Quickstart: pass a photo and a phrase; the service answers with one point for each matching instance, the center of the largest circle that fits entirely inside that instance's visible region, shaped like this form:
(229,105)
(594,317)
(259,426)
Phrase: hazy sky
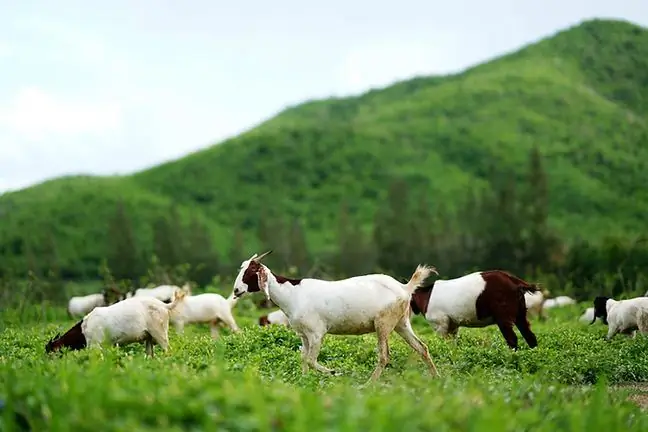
(116,86)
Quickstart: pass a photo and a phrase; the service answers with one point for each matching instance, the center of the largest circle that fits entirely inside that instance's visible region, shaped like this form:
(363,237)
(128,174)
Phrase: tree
(123,258)
(539,240)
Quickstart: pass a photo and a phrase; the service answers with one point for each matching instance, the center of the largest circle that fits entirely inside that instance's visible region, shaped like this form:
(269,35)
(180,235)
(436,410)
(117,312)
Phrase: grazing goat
(478,299)
(135,319)
(209,308)
(164,293)
(81,305)
(587,316)
(354,306)
(274,317)
(535,303)
(622,316)
(558,302)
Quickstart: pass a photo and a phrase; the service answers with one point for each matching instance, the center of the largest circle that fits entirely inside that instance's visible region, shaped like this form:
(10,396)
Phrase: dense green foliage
(531,162)
(252,380)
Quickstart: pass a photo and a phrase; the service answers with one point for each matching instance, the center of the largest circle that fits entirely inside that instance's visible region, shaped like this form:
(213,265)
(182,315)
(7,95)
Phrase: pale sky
(116,86)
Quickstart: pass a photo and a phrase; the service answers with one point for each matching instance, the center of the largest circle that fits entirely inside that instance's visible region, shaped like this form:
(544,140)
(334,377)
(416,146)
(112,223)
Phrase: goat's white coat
(81,305)
(452,303)
(278,317)
(161,292)
(210,308)
(351,306)
(587,316)
(558,302)
(625,315)
(535,303)
(135,319)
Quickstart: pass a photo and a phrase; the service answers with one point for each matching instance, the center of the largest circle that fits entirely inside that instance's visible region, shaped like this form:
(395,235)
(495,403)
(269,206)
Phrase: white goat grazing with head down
(81,305)
(209,308)
(135,319)
(354,306)
(163,293)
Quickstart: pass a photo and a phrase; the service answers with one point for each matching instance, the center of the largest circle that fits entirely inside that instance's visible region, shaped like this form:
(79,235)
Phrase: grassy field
(252,381)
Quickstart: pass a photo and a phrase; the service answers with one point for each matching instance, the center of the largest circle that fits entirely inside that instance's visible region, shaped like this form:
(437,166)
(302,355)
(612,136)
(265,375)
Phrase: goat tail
(523,286)
(421,273)
(178,297)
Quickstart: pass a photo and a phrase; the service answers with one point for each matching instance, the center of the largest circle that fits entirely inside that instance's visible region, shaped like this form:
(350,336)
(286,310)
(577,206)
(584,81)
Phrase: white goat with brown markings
(354,306)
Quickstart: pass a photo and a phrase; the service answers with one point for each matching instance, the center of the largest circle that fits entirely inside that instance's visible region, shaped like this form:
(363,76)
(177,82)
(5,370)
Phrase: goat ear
(262,279)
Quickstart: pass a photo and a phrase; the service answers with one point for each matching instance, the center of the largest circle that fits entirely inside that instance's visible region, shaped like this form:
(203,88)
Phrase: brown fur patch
(263,320)
(251,277)
(503,301)
(73,339)
(421,298)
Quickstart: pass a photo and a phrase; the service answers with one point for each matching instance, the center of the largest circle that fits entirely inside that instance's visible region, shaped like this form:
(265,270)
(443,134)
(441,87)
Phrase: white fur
(535,303)
(162,292)
(135,319)
(588,315)
(357,305)
(626,315)
(206,308)
(81,305)
(558,302)
(452,304)
(278,317)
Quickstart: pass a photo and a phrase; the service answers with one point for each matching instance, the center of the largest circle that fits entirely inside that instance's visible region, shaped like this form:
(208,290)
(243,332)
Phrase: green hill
(580,96)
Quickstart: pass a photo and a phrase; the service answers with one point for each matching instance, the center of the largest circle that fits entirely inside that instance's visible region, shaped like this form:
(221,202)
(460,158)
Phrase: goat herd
(353,306)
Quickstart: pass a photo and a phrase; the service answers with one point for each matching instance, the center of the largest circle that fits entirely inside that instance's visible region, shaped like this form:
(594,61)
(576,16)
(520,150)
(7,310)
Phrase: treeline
(504,227)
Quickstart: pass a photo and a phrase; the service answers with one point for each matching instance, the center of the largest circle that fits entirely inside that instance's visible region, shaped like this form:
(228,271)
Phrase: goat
(588,315)
(274,317)
(535,303)
(135,319)
(558,302)
(353,306)
(209,308)
(81,305)
(477,299)
(163,293)
(622,316)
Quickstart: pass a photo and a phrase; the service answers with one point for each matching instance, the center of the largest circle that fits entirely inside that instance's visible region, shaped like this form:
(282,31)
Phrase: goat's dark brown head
(600,309)
(252,276)
(73,339)
(264,321)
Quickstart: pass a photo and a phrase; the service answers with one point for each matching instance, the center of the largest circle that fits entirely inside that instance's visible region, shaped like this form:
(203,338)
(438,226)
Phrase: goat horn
(263,255)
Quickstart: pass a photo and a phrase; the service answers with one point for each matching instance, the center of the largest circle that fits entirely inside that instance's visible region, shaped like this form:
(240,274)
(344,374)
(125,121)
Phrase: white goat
(354,306)
(558,302)
(274,317)
(163,293)
(622,316)
(535,303)
(209,308)
(588,315)
(81,305)
(135,319)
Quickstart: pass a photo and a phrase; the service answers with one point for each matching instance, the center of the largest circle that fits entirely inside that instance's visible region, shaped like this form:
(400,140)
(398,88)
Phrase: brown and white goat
(478,299)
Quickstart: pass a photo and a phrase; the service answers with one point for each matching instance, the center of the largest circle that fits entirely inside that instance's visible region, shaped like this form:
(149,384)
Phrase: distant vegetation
(535,162)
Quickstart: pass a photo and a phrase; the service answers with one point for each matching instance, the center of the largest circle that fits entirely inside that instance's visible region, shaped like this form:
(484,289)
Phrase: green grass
(252,380)
(579,95)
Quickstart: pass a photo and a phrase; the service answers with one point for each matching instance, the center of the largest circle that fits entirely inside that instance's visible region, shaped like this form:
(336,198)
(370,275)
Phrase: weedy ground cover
(252,381)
